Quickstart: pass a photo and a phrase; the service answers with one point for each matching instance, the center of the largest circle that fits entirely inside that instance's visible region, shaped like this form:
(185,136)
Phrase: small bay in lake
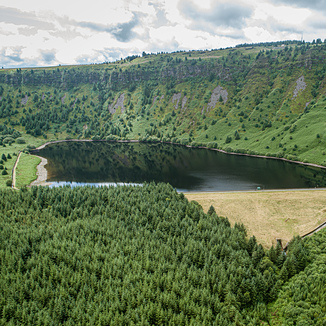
(187,169)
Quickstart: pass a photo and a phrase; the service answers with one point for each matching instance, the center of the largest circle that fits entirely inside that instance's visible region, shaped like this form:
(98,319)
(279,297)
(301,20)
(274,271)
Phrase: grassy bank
(269,215)
(26,169)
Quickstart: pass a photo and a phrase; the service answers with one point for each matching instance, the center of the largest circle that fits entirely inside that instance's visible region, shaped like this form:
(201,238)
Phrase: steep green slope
(263,99)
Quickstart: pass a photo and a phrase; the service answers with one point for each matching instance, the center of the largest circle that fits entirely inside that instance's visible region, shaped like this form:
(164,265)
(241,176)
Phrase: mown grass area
(269,214)
(26,169)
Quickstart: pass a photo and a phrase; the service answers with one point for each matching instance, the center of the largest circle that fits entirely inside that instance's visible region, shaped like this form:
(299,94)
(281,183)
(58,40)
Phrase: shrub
(8,140)
(20,140)
(4,172)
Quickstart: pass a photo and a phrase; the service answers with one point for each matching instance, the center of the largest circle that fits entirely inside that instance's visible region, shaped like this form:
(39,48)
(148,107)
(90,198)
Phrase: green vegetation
(136,256)
(145,255)
(26,169)
(264,99)
(22,144)
(302,300)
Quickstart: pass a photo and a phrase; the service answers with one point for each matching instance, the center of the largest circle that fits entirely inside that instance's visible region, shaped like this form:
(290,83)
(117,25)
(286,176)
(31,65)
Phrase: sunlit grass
(269,214)
(26,169)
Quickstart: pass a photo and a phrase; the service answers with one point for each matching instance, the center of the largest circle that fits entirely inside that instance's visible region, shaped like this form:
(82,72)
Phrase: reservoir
(187,169)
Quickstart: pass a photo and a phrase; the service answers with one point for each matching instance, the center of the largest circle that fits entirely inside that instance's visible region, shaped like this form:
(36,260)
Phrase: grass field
(269,214)
(26,169)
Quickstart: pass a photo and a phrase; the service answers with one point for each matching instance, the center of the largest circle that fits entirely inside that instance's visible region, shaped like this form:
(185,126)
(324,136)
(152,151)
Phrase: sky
(38,33)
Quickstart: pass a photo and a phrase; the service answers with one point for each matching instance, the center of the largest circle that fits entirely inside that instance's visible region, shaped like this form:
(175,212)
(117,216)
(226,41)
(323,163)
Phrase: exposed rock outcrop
(183,103)
(301,86)
(176,99)
(120,100)
(24,100)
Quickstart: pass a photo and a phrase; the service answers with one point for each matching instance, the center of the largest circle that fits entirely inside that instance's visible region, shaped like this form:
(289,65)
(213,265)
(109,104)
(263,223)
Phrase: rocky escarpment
(67,78)
(115,77)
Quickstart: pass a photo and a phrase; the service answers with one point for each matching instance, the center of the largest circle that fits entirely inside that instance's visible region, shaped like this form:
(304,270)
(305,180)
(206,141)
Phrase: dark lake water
(184,168)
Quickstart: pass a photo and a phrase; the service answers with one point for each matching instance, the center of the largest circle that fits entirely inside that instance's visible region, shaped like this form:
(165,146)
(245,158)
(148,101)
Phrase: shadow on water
(184,168)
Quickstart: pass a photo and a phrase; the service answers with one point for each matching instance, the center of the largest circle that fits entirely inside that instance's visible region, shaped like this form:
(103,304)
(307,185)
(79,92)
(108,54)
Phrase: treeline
(132,256)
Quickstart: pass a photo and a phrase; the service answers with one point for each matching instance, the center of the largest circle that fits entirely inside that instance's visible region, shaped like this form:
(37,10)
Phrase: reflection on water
(101,163)
(74,184)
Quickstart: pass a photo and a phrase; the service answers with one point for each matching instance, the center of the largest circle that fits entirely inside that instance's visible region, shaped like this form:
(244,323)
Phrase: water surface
(186,169)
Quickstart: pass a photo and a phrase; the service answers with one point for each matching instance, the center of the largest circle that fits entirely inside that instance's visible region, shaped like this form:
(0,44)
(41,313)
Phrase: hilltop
(266,99)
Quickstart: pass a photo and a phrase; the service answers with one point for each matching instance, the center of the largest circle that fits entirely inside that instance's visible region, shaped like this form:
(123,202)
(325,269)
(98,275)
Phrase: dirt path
(320,227)
(13,184)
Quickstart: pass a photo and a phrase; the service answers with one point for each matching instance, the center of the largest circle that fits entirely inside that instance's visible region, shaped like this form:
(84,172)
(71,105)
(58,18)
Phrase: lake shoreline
(41,173)
(188,146)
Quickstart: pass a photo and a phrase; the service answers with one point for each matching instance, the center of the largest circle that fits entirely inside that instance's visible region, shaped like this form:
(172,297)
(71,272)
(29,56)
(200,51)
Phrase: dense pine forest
(146,256)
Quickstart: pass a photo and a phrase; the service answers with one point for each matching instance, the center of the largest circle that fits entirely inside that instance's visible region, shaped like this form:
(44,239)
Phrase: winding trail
(318,228)
(13,183)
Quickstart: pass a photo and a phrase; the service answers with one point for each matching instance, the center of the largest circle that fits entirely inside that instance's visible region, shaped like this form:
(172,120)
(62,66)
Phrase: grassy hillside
(265,99)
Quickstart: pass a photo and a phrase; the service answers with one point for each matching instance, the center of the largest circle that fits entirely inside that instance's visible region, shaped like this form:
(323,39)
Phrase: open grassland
(26,169)
(269,214)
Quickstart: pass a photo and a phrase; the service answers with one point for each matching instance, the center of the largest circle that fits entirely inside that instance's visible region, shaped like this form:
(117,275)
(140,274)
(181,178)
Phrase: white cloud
(66,32)
(283,14)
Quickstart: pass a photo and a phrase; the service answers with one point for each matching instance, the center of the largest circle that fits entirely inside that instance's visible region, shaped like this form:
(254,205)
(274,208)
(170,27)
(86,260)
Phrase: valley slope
(266,99)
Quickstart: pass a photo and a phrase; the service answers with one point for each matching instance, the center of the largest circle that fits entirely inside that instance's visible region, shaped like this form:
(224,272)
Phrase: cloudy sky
(47,33)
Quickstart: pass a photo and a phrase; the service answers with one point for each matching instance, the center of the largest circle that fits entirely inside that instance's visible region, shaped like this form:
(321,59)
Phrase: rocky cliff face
(66,78)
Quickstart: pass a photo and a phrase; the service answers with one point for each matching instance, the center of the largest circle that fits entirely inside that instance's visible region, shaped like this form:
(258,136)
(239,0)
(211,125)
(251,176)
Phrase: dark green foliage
(126,255)
(211,210)
(228,139)
(20,140)
(302,300)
